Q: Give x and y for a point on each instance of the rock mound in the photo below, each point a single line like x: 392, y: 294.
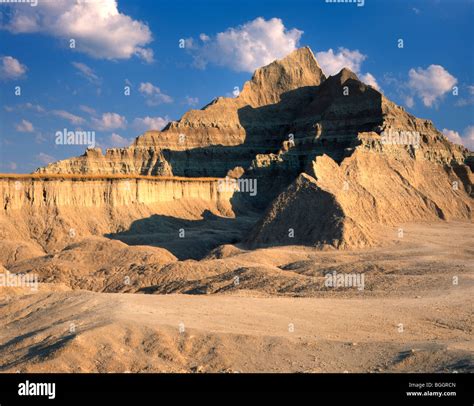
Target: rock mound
x: 343, y: 205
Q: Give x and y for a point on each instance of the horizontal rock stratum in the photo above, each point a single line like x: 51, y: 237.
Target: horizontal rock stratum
x: 333, y: 159
x: 46, y: 213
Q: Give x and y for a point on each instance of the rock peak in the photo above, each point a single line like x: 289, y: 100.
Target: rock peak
x: 346, y: 74
x: 303, y: 52
x: 268, y: 83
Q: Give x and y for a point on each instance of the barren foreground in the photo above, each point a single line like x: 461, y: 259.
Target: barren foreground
x: 409, y: 318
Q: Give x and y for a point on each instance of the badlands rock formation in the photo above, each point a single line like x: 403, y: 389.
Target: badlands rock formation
x: 333, y: 159
x: 48, y: 213
x: 290, y: 119
x: 343, y: 205
x: 336, y: 165
x: 255, y: 121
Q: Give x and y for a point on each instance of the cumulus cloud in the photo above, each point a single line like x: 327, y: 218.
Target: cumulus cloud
x: 452, y: 136
x: 11, y: 68
x: 117, y: 141
x: 466, y: 139
x: 98, y: 27
x: 109, y: 121
x: 86, y: 72
x: 154, y: 94
x: 72, y: 118
x: 369, y: 79
x: 430, y: 84
x: 150, y: 123
x: 246, y: 47
x: 25, y: 127
x: 332, y: 63
x: 146, y: 54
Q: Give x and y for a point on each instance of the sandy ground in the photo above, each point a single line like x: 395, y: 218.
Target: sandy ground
x: 410, y: 317
x: 84, y: 331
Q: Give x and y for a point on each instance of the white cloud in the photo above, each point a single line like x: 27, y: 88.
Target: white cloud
x: 191, y: 101
x: 150, y: 123
x: 44, y: 158
x: 430, y: 84
x: 109, y: 121
x: 26, y: 106
x: 369, y: 79
x: 34, y: 107
x: 246, y: 47
x: 72, y: 118
x: 86, y: 72
x: 25, y: 127
x: 153, y: 94
x: 146, y: 54
x: 87, y: 109
x: 117, y: 141
x: 452, y: 136
x: 98, y: 27
x: 409, y: 101
x: 203, y: 37
x: 469, y: 99
x: 332, y: 62
x: 11, y: 68
x: 466, y: 139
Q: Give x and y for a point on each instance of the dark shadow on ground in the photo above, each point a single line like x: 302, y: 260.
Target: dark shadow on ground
x: 187, y: 239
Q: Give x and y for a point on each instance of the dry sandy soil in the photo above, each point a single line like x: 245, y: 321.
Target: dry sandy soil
x: 410, y: 316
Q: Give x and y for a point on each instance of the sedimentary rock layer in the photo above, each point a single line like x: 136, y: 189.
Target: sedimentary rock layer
x: 51, y: 212
x: 343, y: 205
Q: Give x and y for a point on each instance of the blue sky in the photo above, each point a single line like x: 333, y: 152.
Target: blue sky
x: 137, y: 44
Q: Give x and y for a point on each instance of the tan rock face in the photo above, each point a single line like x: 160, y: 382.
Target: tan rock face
x: 50, y: 213
x: 344, y: 205
x: 242, y: 122
x: 288, y: 106
x: 332, y: 158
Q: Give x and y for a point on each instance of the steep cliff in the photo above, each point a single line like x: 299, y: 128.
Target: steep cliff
x: 50, y: 212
